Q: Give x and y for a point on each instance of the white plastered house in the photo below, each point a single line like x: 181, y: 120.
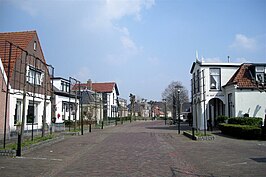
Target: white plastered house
x: 65, y: 101
x: 106, y: 100
x: 230, y: 89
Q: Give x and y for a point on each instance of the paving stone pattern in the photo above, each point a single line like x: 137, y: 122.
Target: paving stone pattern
x: 140, y: 149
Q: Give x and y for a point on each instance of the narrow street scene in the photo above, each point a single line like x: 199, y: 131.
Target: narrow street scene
x: 133, y: 88
x: 142, y: 148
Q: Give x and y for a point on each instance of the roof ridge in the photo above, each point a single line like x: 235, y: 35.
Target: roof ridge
x: 19, y: 31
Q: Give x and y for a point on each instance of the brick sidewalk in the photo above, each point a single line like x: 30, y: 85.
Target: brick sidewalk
x: 140, y: 149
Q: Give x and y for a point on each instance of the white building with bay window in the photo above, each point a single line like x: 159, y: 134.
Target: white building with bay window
x: 231, y: 89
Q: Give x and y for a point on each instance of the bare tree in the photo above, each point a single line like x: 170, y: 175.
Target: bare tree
x: 171, y: 92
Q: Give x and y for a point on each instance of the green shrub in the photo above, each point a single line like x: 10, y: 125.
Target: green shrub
x: 68, y: 123
x: 222, y: 119
x: 252, y: 121
x: 241, y: 131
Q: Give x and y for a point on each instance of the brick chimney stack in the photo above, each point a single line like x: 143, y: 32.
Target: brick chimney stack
x: 89, y: 84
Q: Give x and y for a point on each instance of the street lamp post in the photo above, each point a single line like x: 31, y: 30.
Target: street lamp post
x: 165, y: 112
x: 178, y: 106
x: 178, y: 111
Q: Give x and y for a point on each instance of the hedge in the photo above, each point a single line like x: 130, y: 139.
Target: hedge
x: 241, y: 131
x: 222, y: 119
x: 252, y: 121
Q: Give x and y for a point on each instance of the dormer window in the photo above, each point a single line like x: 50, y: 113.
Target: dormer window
x: 34, y: 45
x: 65, y: 86
x: 260, y: 74
x: 215, y: 78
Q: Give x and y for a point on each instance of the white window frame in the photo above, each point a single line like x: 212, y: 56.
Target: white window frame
x: 215, y: 74
x: 34, y: 73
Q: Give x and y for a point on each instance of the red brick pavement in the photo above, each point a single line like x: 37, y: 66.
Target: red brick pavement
x: 133, y: 149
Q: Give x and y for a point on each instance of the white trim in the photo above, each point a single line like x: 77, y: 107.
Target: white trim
x: 3, y: 71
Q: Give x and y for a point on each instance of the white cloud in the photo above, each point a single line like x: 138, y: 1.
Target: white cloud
x: 105, y: 13
x: 83, y: 74
x: 242, y: 42
x: 117, y: 9
x: 128, y: 43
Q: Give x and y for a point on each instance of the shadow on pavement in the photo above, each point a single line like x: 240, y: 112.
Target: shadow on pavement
x: 183, y: 127
x: 180, y: 172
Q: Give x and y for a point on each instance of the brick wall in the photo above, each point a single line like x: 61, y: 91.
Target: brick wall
x: 2, y: 105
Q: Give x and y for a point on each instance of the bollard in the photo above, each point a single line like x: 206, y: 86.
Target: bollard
x: 90, y: 128
x: 102, y: 124
x: 18, y: 153
x: 115, y: 121
x: 193, y: 133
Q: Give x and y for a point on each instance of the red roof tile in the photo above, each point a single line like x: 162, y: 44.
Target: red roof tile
x: 105, y: 87
x: 242, y: 77
x: 21, y: 39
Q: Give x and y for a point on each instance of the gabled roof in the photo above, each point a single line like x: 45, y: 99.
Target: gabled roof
x: 104, y: 87
x: 242, y: 77
x: 21, y: 39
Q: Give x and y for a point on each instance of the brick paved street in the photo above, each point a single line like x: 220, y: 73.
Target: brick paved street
x: 140, y: 149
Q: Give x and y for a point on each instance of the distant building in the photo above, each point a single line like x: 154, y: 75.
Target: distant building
x: 106, y: 97
x: 122, y: 107
x: 230, y: 89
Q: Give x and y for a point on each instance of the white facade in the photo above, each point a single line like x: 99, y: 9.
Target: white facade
x: 111, y: 103
x: 62, y: 101
x: 16, y: 110
x: 213, y: 96
x: 245, y: 101
x: 208, y: 96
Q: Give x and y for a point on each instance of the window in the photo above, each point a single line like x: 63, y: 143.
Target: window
x: 34, y: 45
x: 64, y: 86
x: 17, y: 116
x: 198, y: 80
x: 34, y: 74
x: 194, y: 83
x: 230, y: 105
x: 215, y: 78
x: 32, y: 113
x: 260, y: 74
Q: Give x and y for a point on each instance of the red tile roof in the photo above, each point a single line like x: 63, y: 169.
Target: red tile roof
x: 242, y: 77
x: 21, y: 39
x: 105, y: 87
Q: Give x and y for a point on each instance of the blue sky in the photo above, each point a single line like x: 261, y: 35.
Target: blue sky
x: 142, y: 45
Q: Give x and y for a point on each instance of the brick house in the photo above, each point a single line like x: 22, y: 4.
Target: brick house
x: 3, y: 84
x: 29, y: 79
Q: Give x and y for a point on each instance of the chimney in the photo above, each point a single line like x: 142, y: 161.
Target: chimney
x: 89, y: 84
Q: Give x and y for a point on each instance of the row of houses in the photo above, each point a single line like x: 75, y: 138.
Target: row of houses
x: 32, y: 96
x: 230, y: 89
